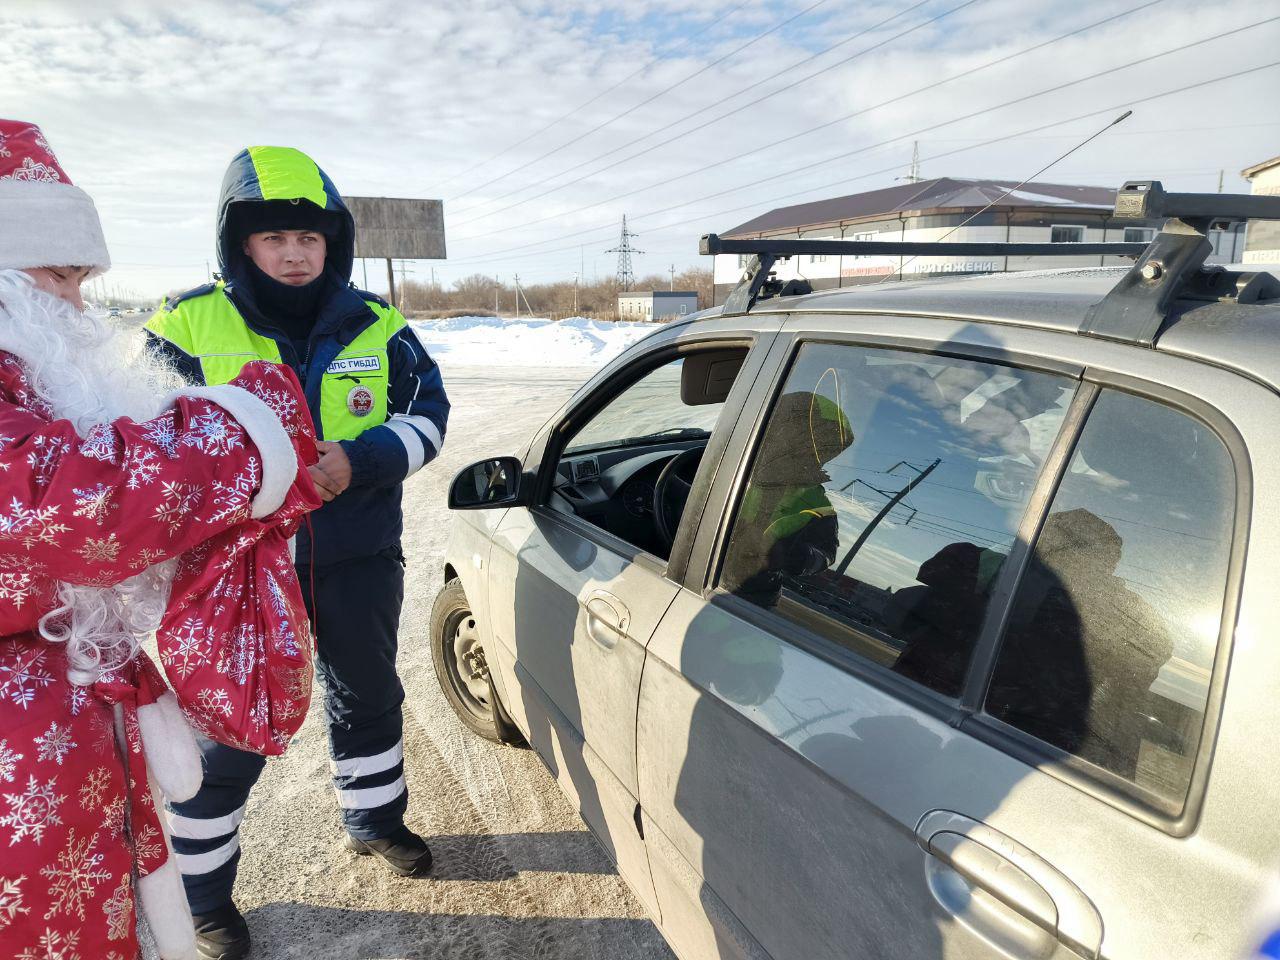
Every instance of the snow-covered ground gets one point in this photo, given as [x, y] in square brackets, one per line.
[518, 876]
[506, 342]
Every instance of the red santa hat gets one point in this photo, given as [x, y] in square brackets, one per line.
[46, 220]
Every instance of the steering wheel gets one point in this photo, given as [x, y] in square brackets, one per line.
[672, 490]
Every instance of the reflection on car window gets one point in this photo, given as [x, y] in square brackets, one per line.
[1111, 643]
[650, 406]
[885, 496]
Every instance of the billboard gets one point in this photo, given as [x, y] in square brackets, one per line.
[387, 228]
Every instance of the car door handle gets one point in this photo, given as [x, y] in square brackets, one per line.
[1014, 875]
[607, 618]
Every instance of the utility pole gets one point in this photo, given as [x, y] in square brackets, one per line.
[672, 284]
[624, 250]
[391, 283]
[497, 292]
[914, 175]
[209, 270]
[894, 499]
[517, 296]
[1221, 174]
[575, 294]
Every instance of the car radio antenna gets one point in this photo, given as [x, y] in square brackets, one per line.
[902, 264]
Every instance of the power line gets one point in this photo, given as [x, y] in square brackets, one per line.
[902, 264]
[666, 182]
[645, 102]
[937, 83]
[603, 93]
[737, 93]
[863, 176]
[868, 147]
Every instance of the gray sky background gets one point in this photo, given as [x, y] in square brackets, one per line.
[145, 102]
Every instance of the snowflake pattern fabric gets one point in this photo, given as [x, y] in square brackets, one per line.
[77, 818]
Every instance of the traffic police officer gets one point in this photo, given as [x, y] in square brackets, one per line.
[285, 248]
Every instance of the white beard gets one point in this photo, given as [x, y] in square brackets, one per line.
[89, 372]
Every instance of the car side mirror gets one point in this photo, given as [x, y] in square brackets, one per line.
[487, 485]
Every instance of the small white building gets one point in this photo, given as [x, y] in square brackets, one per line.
[656, 304]
[959, 210]
[1262, 239]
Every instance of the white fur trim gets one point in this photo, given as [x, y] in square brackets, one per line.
[50, 225]
[279, 461]
[164, 904]
[172, 755]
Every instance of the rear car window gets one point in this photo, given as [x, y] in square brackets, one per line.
[885, 497]
[1109, 649]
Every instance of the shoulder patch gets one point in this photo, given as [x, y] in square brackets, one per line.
[191, 294]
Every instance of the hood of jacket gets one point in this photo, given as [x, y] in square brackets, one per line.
[257, 174]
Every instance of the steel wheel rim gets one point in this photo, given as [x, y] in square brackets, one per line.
[468, 669]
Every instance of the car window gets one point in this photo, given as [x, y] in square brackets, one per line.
[885, 496]
[1111, 642]
[651, 406]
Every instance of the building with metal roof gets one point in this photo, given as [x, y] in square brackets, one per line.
[1262, 239]
[959, 209]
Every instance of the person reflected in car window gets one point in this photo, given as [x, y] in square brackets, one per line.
[1082, 649]
[938, 622]
[787, 525]
[998, 427]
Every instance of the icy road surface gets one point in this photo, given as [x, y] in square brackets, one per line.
[517, 874]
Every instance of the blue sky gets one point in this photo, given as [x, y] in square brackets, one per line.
[146, 101]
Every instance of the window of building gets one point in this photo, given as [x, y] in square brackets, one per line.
[863, 237]
[818, 258]
[744, 259]
[1111, 642]
[885, 497]
[1066, 234]
[1138, 234]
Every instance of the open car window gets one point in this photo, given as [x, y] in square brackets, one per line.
[651, 410]
[629, 468]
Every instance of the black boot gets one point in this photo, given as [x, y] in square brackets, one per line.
[404, 852]
[222, 934]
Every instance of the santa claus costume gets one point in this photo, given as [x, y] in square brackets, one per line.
[126, 504]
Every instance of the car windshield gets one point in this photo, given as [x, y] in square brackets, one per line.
[649, 411]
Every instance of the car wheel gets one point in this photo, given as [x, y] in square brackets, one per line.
[463, 670]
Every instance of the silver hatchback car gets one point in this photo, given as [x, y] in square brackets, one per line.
[917, 620]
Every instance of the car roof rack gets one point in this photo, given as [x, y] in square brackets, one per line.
[1166, 269]
[1172, 267]
[759, 284]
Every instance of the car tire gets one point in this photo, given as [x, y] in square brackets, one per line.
[462, 670]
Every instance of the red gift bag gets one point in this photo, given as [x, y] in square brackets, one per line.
[235, 640]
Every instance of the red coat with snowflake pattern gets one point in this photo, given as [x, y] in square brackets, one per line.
[77, 816]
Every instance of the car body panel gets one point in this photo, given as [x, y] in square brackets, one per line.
[1202, 879]
[576, 683]
[787, 826]
[569, 630]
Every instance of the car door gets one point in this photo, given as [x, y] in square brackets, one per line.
[945, 677]
[573, 604]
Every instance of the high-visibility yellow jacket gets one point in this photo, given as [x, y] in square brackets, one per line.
[368, 380]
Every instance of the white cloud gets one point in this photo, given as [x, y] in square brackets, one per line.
[145, 103]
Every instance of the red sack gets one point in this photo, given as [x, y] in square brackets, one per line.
[235, 640]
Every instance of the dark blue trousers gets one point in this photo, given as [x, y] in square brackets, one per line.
[356, 613]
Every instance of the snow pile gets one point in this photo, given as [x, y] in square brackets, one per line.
[504, 342]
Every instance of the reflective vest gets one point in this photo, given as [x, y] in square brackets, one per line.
[353, 389]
